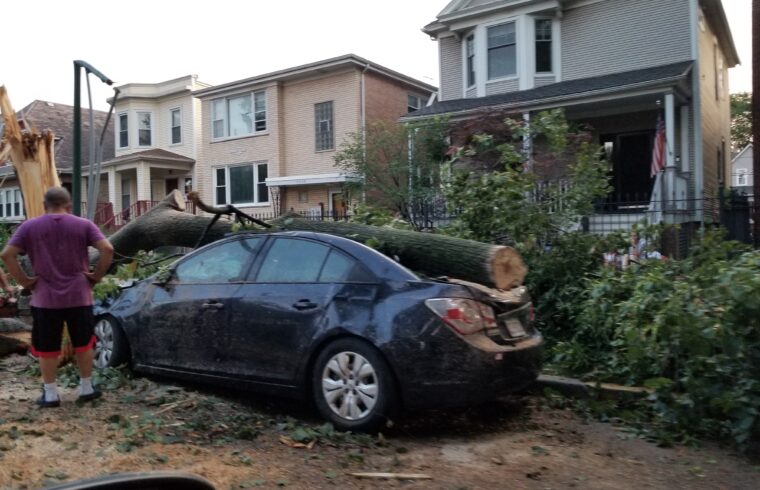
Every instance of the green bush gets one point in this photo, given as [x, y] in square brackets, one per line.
[689, 329]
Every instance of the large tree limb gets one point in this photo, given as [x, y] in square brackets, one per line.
[430, 254]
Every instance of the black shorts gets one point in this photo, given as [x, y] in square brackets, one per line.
[47, 329]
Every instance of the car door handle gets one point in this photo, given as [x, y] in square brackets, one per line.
[212, 305]
[304, 304]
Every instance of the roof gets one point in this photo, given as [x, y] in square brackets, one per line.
[561, 91]
[154, 155]
[59, 118]
[716, 16]
[742, 152]
[332, 64]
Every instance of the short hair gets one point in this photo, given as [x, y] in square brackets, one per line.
[57, 197]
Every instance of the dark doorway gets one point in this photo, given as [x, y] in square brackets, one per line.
[631, 158]
[171, 184]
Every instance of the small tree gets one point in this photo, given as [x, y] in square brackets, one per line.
[513, 203]
[741, 120]
[397, 167]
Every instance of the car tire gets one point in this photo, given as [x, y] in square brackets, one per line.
[111, 346]
[353, 387]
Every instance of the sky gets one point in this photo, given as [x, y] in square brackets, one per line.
[150, 41]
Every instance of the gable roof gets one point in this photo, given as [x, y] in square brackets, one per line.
[318, 67]
[561, 91]
[59, 118]
[741, 153]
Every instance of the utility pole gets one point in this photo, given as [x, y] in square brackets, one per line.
[756, 118]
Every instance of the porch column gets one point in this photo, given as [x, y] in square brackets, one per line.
[685, 140]
[112, 189]
[670, 137]
[143, 182]
[527, 144]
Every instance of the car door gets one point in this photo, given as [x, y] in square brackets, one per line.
[285, 302]
[188, 317]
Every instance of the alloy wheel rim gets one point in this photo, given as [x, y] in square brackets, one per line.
[103, 343]
[350, 385]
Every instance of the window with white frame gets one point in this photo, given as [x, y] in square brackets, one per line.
[741, 177]
[323, 126]
[413, 103]
[239, 115]
[11, 203]
[176, 120]
[144, 129]
[543, 45]
[502, 51]
[470, 59]
[123, 131]
[243, 184]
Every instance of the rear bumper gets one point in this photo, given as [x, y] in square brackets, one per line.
[467, 375]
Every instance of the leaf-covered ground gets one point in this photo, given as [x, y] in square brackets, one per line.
[241, 441]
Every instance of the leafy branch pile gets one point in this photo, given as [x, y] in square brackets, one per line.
[143, 265]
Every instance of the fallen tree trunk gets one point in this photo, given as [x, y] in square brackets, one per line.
[430, 254]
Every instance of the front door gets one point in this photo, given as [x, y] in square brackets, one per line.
[171, 184]
[338, 206]
[631, 162]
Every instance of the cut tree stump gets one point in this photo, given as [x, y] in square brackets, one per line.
[167, 224]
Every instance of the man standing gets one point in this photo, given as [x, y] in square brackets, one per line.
[56, 244]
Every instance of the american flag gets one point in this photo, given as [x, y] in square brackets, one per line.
[658, 153]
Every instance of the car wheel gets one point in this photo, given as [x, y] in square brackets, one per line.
[353, 386]
[111, 348]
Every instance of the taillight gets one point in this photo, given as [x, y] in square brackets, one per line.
[463, 315]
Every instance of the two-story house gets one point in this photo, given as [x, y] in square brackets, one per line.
[58, 118]
[616, 65]
[269, 141]
[156, 138]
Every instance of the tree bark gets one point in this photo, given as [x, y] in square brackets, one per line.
[33, 159]
[426, 253]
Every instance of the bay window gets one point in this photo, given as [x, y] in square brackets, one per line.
[144, 129]
[543, 45]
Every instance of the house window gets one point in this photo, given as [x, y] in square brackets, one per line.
[11, 204]
[144, 129]
[543, 45]
[741, 177]
[176, 118]
[123, 131]
[241, 115]
[323, 126]
[413, 103]
[502, 51]
[241, 184]
[303, 196]
[470, 47]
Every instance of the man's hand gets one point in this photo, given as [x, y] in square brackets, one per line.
[28, 282]
[93, 277]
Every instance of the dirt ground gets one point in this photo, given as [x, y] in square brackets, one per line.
[241, 441]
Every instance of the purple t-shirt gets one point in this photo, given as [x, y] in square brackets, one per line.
[57, 246]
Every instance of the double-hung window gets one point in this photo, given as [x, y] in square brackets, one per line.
[502, 51]
[239, 115]
[11, 204]
[323, 126]
[144, 129]
[413, 103]
[176, 119]
[241, 184]
[123, 131]
[470, 47]
[543, 45]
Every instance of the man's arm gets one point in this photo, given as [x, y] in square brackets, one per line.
[10, 257]
[104, 261]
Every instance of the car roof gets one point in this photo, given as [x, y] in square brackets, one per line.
[379, 264]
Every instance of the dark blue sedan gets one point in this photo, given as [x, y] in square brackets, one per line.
[322, 317]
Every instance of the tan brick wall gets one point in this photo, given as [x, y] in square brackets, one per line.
[258, 148]
[301, 157]
[716, 115]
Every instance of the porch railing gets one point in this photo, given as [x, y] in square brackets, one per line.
[103, 212]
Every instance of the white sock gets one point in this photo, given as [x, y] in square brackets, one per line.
[85, 386]
[51, 392]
